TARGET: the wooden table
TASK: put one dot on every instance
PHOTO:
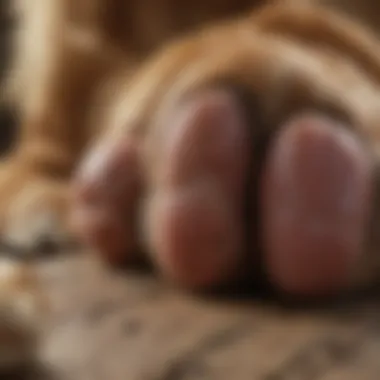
(129, 326)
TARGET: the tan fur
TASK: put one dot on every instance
(81, 67)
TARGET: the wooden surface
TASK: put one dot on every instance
(128, 326)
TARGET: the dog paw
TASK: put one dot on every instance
(245, 145)
(33, 212)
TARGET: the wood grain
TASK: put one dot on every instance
(118, 326)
